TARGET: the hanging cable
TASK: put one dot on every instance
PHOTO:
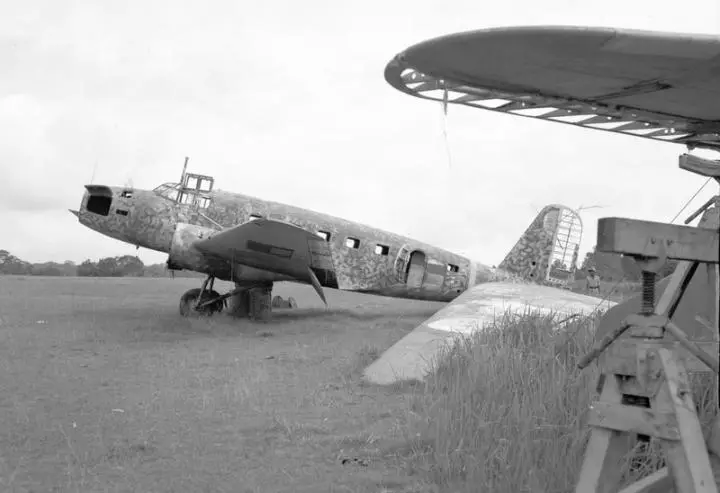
(717, 303)
(690, 200)
(444, 124)
(605, 298)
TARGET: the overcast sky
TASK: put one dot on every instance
(287, 101)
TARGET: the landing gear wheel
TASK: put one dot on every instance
(292, 302)
(190, 299)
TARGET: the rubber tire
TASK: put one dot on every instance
(292, 302)
(188, 299)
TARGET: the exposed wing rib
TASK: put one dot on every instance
(413, 355)
(277, 247)
(661, 86)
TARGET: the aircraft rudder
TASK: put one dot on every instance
(534, 253)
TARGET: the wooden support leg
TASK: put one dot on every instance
(601, 471)
(688, 459)
(672, 418)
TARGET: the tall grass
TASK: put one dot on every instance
(506, 409)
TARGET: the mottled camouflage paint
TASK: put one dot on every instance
(530, 257)
(159, 224)
(150, 220)
(358, 269)
(184, 255)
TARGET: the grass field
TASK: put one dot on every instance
(106, 388)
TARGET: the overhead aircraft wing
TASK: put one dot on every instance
(412, 356)
(277, 247)
(662, 86)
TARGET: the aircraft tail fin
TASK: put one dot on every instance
(547, 252)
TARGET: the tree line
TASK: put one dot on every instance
(608, 265)
(121, 266)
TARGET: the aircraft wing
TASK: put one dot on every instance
(413, 355)
(277, 247)
(663, 86)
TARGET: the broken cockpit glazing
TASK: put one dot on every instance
(194, 191)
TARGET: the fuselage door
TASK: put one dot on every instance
(416, 269)
(401, 263)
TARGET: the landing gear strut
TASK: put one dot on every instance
(253, 302)
(204, 300)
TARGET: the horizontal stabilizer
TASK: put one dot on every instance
(413, 355)
(662, 86)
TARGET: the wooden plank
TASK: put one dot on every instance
(601, 346)
(634, 419)
(693, 348)
(648, 238)
(700, 166)
(713, 437)
(660, 480)
(632, 386)
(601, 471)
(688, 458)
(620, 356)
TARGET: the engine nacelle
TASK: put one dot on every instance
(184, 255)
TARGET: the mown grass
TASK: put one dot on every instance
(506, 410)
(106, 388)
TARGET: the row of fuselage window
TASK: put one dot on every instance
(354, 243)
(350, 242)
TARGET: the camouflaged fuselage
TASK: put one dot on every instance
(138, 217)
(376, 262)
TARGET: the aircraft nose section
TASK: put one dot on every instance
(99, 190)
(97, 201)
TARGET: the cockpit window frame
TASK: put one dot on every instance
(175, 193)
(169, 191)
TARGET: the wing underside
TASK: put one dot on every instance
(412, 356)
(277, 247)
(661, 86)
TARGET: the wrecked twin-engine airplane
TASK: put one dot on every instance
(255, 243)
